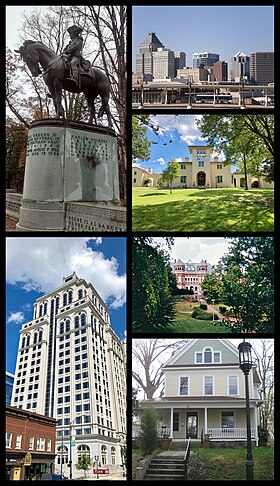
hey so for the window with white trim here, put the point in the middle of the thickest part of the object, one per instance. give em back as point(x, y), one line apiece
point(9, 436)
point(31, 442)
point(232, 385)
point(208, 385)
point(227, 420)
point(18, 441)
point(184, 385)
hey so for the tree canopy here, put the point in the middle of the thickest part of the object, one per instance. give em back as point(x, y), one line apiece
point(236, 135)
point(245, 282)
point(153, 284)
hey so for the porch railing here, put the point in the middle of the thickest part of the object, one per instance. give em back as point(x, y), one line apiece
point(228, 433)
point(163, 431)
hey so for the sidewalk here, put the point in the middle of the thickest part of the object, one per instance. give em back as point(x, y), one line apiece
point(106, 477)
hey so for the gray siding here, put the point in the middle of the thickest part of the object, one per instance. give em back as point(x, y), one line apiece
point(189, 356)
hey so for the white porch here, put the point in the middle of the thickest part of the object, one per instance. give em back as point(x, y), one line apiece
point(225, 423)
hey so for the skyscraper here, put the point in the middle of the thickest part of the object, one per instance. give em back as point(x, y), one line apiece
point(262, 67)
point(239, 67)
point(71, 366)
point(9, 387)
point(144, 59)
point(204, 59)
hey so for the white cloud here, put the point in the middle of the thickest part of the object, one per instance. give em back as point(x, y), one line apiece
point(16, 317)
point(161, 160)
point(197, 249)
point(184, 124)
point(41, 263)
point(178, 159)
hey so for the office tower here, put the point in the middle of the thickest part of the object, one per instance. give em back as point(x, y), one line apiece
point(71, 366)
point(180, 60)
point(220, 71)
point(144, 59)
point(239, 67)
point(9, 387)
point(163, 64)
point(205, 59)
point(262, 67)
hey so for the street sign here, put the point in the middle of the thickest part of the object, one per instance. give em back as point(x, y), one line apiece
point(27, 459)
point(73, 440)
point(101, 471)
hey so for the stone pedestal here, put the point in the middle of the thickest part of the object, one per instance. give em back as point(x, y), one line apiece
point(67, 162)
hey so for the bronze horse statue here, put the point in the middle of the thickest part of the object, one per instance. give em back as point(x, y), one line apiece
point(55, 75)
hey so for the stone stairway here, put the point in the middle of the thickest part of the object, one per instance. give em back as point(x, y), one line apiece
point(165, 467)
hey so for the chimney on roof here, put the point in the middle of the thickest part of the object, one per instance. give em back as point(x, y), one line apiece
point(216, 158)
point(187, 159)
point(150, 170)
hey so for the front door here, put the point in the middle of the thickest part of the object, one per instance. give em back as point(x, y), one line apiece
point(191, 425)
point(201, 178)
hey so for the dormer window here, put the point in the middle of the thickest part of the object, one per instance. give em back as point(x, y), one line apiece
point(208, 356)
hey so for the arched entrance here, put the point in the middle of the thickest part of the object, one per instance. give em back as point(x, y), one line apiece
point(201, 178)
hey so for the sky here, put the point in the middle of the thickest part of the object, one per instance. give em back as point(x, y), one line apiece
point(222, 30)
point(14, 20)
point(35, 266)
point(196, 249)
point(174, 136)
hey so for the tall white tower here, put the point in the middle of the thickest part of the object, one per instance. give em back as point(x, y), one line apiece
point(71, 366)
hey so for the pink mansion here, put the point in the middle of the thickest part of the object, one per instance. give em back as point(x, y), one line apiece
point(190, 275)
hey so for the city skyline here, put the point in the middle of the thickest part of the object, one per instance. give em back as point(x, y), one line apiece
point(36, 266)
point(255, 29)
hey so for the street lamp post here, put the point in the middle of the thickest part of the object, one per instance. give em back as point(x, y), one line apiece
point(96, 458)
point(213, 302)
point(70, 450)
point(189, 107)
point(245, 364)
point(140, 82)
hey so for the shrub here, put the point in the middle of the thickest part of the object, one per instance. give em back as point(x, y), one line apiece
point(148, 437)
point(201, 314)
point(203, 306)
point(222, 309)
point(263, 436)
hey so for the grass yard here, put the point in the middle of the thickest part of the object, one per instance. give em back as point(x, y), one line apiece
point(184, 323)
point(202, 209)
point(229, 464)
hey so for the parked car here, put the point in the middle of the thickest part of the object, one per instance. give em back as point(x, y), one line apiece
point(53, 477)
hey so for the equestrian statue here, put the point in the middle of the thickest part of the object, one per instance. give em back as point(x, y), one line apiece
point(69, 71)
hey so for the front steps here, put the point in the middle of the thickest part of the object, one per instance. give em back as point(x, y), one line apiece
point(165, 468)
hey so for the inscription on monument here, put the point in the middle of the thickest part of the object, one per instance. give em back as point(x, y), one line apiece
point(79, 223)
point(85, 146)
point(42, 143)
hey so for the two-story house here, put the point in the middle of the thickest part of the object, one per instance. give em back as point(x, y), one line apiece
point(205, 393)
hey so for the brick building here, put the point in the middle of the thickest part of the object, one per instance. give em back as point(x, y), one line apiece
point(190, 275)
point(30, 444)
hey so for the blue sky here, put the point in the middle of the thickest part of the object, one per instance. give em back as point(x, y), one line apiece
point(36, 266)
point(223, 30)
point(175, 134)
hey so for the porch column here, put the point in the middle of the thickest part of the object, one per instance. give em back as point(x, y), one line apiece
point(171, 423)
point(256, 426)
point(205, 421)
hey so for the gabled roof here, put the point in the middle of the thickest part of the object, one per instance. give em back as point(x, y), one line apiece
point(190, 343)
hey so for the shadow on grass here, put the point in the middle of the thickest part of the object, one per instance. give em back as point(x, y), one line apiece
point(211, 211)
point(153, 194)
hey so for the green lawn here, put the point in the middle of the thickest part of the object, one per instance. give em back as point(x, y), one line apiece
point(229, 464)
point(184, 323)
point(202, 209)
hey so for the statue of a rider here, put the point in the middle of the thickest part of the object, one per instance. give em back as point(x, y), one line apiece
point(73, 51)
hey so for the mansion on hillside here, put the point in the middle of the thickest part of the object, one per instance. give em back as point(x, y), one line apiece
point(201, 172)
point(190, 275)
